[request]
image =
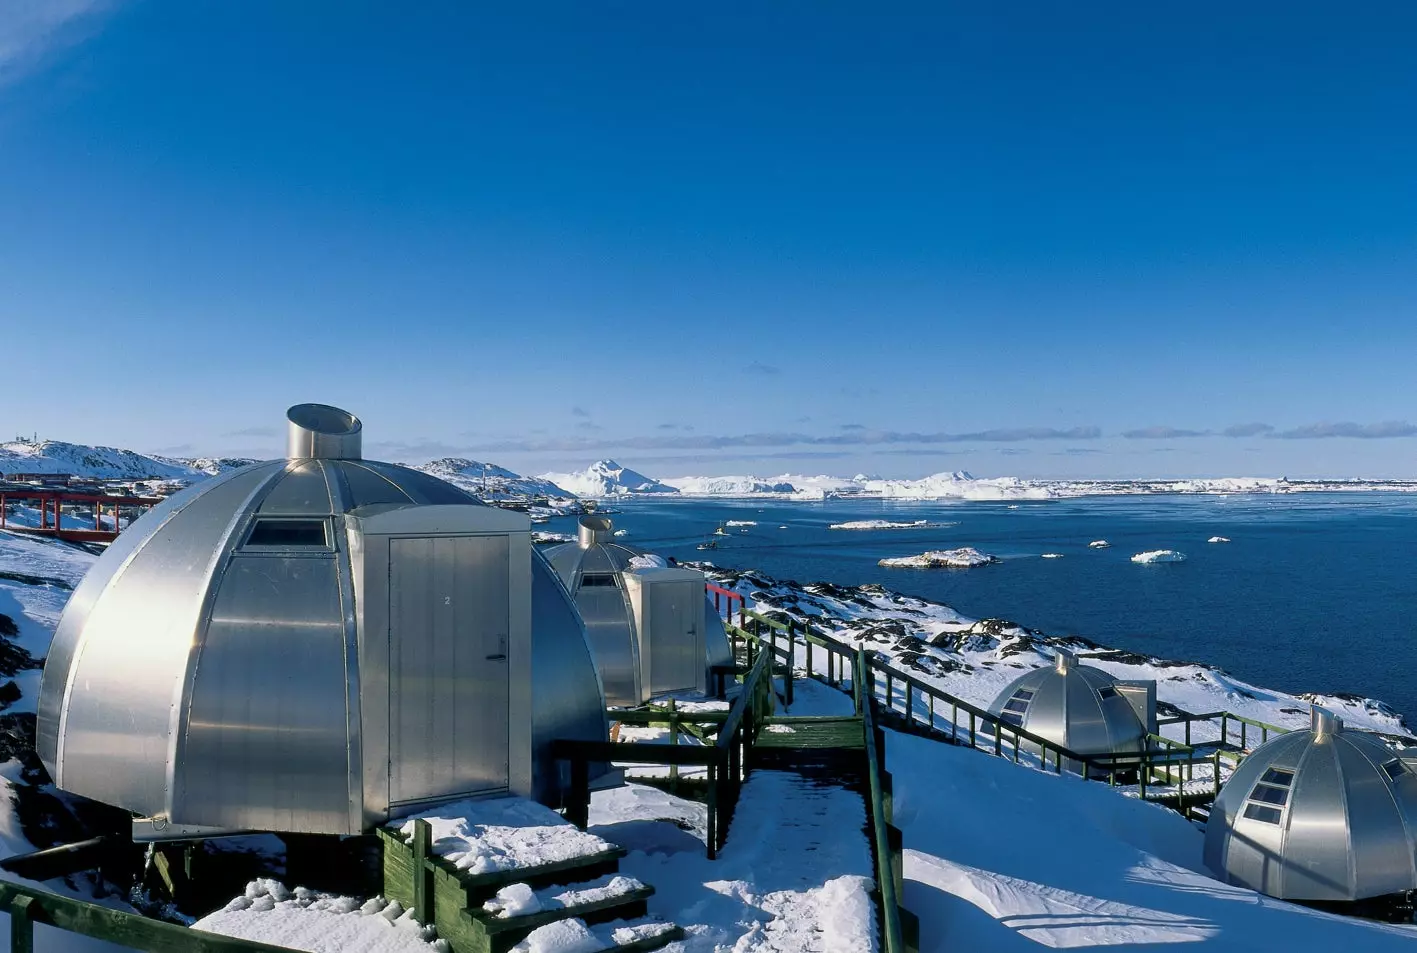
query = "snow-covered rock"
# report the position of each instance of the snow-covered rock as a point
(963, 558)
(1159, 556)
(607, 478)
(487, 481)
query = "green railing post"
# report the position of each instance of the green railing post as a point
(711, 804)
(1217, 772)
(422, 871)
(21, 925)
(673, 743)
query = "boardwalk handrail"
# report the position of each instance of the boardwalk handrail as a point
(1162, 757)
(892, 937)
(29, 905)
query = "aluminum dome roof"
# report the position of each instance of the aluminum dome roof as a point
(202, 627)
(1076, 706)
(1318, 814)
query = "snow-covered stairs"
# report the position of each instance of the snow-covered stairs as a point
(510, 875)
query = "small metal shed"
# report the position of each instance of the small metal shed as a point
(651, 625)
(314, 645)
(1320, 814)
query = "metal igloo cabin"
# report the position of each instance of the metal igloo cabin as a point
(651, 626)
(314, 645)
(1082, 708)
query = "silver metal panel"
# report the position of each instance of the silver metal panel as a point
(668, 616)
(115, 725)
(267, 734)
(569, 699)
(422, 488)
(301, 491)
(448, 667)
(1347, 829)
(716, 647)
(1078, 707)
(613, 641)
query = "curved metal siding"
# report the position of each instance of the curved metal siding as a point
(114, 736)
(1347, 832)
(716, 645)
(570, 698)
(1067, 708)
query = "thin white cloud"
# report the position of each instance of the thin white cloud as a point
(29, 29)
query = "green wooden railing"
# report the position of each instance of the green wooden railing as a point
(724, 758)
(28, 905)
(1164, 764)
(885, 839)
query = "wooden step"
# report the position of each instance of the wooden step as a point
(503, 933)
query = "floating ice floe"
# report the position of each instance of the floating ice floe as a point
(1218, 539)
(741, 523)
(1160, 556)
(888, 524)
(622, 532)
(1052, 555)
(964, 558)
(1099, 544)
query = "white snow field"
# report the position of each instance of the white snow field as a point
(607, 478)
(963, 558)
(487, 481)
(1002, 857)
(1159, 556)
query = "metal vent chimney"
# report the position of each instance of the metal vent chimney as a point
(1063, 661)
(594, 529)
(1325, 723)
(322, 432)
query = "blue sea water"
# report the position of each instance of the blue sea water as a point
(1314, 593)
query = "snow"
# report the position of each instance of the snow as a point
(787, 486)
(959, 485)
(518, 900)
(487, 481)
(622, 532)
(304, 919)
(573, 936)
(1052, 556)
(1041, 860)
(1218, 539)
(888, 524)
(1099, 544)
(794, 876)
(1160, 556)
(963, 558)
(607, 478)
(974, 659)
(107, 463)
(503, 834)
(648, 561)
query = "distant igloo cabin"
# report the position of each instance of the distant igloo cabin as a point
(314, 645)
(1082, 708)
(651, 626)
(1321, 814)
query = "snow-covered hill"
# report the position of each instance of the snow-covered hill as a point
(488, 481)
(607, 478)
(104, 463)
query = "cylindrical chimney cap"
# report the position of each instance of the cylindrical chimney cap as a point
(322, 432)
(594, 529)
(1324, 722)
(1063, 661)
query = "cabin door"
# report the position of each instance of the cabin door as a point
(448, 620)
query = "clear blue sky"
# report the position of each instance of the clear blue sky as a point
(1029, 238)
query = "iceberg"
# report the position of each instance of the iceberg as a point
(1099, 544)
(1159, 556)
(1218, 539)
(964, 558)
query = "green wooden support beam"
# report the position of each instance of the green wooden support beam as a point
(21, 925)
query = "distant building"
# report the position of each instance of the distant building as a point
(42, 479)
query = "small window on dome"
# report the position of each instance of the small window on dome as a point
(1394, 769)
(1258, 812)
(1270, 795)
(1107, 691)
(288, 533)
(598, 579)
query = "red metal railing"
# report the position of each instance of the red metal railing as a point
(50, 504)
(723, 600)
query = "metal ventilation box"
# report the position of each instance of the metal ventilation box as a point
(668, 606)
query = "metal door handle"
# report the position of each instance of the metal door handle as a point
(496, 658)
